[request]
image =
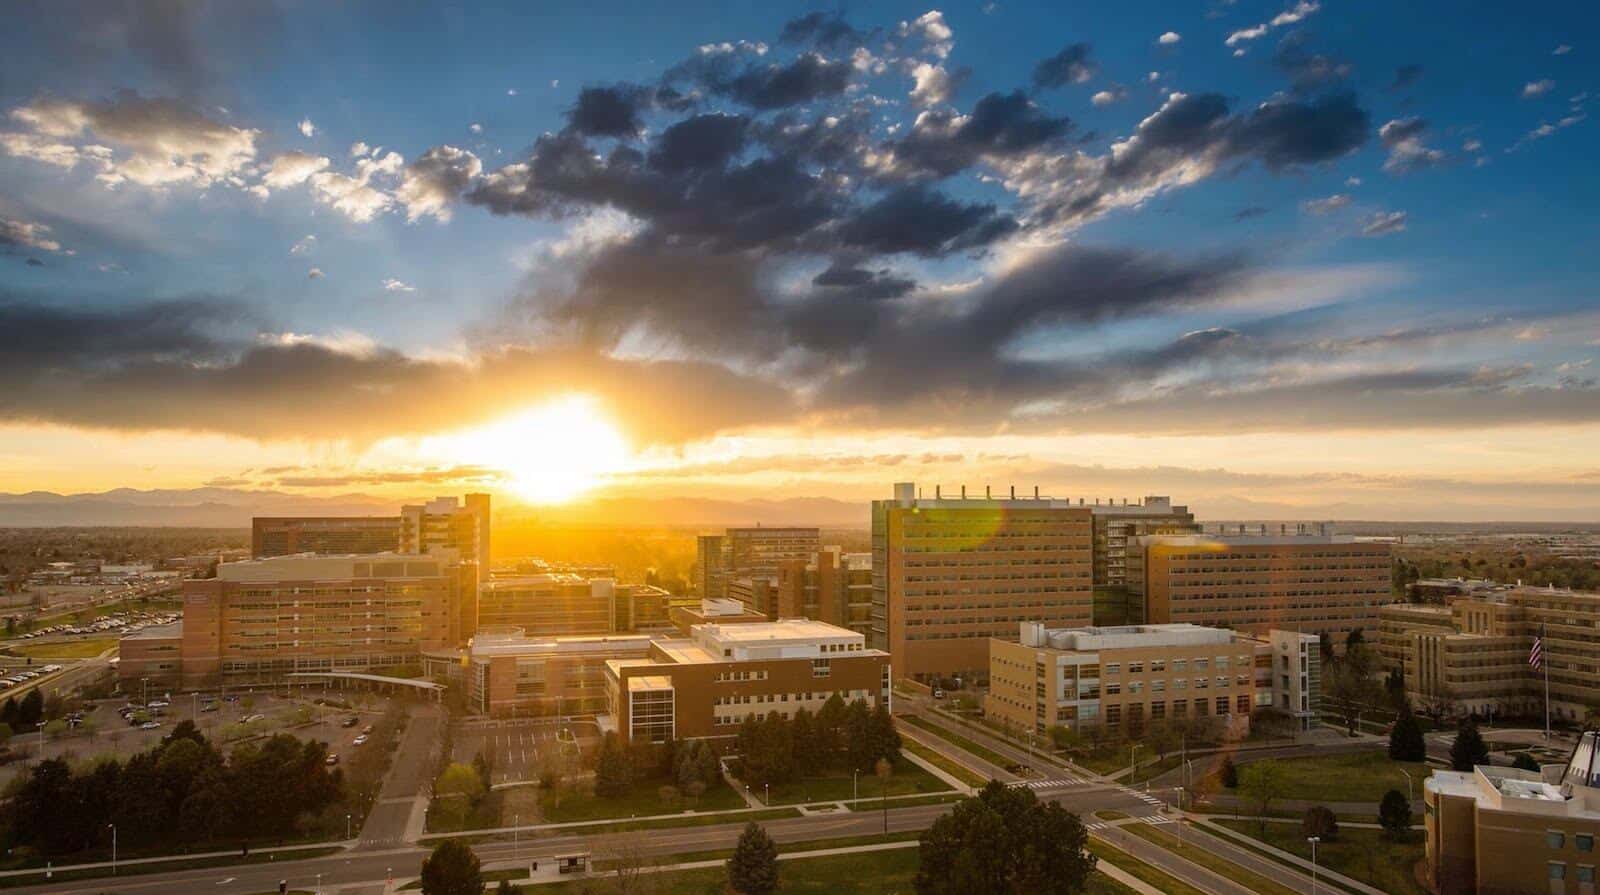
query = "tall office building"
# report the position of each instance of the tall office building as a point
(331, 535)
(749, 553)
(260, 620)
(445, 523)
(949, 573)
(1311, 581)
(1115, 524)
(832, 586)
(561, 604)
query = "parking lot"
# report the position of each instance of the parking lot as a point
(514, 748)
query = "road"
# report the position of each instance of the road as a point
(404, 788)
(362, 867)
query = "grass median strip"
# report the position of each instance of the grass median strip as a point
(1145, 873)
(959, 741)
(623, 826)
(1209, 860)
(1357, 852)
(955, 769)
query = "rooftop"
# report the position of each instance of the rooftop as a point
(1035, 634)
(315, 567)
(514, 643)
(157, 632)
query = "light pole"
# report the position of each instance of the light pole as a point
(1408, 784)
(1313, 840)
(766, 793)
(347, 826)
(1133, 759)
(113, 848)
(319, 885)
(855, 784)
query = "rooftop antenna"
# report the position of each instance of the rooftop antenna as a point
(985, 492)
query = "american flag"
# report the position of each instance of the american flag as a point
(1536, 655)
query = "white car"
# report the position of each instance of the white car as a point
(359, 740)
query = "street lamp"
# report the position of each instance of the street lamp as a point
(347, 826)
(1313, 840)
(1408, 784)
(113, 848)
(1133, 759)
(855, 784)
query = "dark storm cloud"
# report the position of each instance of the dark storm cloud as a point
(764, 86)
(613, 111)
(701, 142)
(1001, 124)
(922, 221)
(828, 31)
(1070, 66)
(37, 337)
(870, 284)
(1306, 70)
(1405, 76)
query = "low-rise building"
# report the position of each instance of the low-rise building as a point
(1119, 680)
(152, 654)
(563, 604)
(1499, 831)
(1308, 581)
(705, 685)
(509, 674)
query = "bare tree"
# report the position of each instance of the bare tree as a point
(632, 867)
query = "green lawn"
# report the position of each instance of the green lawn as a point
(84, 648)
(1146, 873)
(1359, 853)
(960, 741)
(887, 872)
(954, 769)
(908, 779)
(1217, 864)
(1353, 777)
(640, 800)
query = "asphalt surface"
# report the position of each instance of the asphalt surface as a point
(404, 789)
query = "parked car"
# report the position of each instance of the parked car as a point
(331, 759)
(359, 740)
(150, 725)
(209, 707)
(350, 721)
(158, 703)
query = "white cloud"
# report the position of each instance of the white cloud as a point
(1562, 50)
(307, 129)
(475, 128)
(130, 139)
(934, 84)
(1169, 38)
(512, 91)
(394, 285)
(1471, 144)
(1153, 76)
(304, 245)
(1535, 89)
(1382, 223)
(359, 149)
(1244, 34)
(1290, 16)
(1325, 206)
(1407, 151)
(931, 28)
(1107, 97)
(26, 234)
(314, 273)
(350, 196)
(1352, 180)
(434, 180)
(292, 169)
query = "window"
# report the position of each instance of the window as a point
(1113, 668)
(1584, 841)
(1558, 870)
(1136, 668)
(1585, 874)
(1555, 839)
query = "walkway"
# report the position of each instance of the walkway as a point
(397, 817)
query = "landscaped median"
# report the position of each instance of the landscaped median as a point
(1215, 863)
(959, 741)
(1360, 853)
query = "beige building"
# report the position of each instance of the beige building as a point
(951, 573)
(831, 586)
(1307, 582)
(446, 524)
(562, 604)
(705, 684)
(510, 674)
(152, 655)
(260, 620)
(1116, 524)
(1122, 679)
(1473, 652)
(1504, 831)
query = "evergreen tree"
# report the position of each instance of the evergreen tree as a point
(1405, 739)
(30, 711)
(1320, 821)
(1228, 773)
(452, 869)
(808, 760)
(1005, 841)
(8, 712)
(753, 868)
(830, 728)
(1354, 638)
(860, 751)
(885, 739)
(1525, 762)
(1469, 750)
(1394, 814)
(611, 772)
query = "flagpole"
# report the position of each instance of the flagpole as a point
(1546, 663)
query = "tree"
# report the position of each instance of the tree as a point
(460, 780)
(611, 772)
(1319, 821)
(1525, 762)
(1261, 782)
(31, 709)
(1349, 687)
(504, 888)
(1325, 645)
(1469, 750)
(1228, 772)
(1065, 738)
(1405, 739)
(1004, 841)
(452, 869)
(753, 868)
(1394, 684)
(1394, 814)
(1354, 638)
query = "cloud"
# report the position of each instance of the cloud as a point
(432, 183)
(1561, 50)
(475, 127)
(1327, 205)
(1307, 71)
(827, 31)
(920, 221)
(1382, 223)
(314, 273)
(999, 125)
(17, 234)
(936, 36)
(359, 149)
(934, 85)
(613, 111)
(1536, 89)
(1169, 38)
(292, 169)
(162, 142)
(1070, 66)
(394, 285)
(1293, 15)
(303, 245)
(1407, 151)
(1250, 212)
(1405, 76)
(307, 129)
(1115, 94)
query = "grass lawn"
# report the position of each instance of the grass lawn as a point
(1146, 873)
(1359, 853)
(1354, 777)
(84, 648)
(938, 798)
(959, 741)
(887, 872)
(954, 769)
(640, 800)
(908, 779)
(1217, 864)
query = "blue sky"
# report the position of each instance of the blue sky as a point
(1286, 223)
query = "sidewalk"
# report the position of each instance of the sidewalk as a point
(194, 856)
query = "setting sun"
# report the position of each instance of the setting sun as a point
(550, 453)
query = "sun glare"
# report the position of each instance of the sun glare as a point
(551, 453)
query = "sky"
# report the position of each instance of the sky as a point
(1293, 258)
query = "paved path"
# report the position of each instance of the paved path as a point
(396, 818)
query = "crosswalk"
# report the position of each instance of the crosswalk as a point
(1052, 783)
(1153, 820)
